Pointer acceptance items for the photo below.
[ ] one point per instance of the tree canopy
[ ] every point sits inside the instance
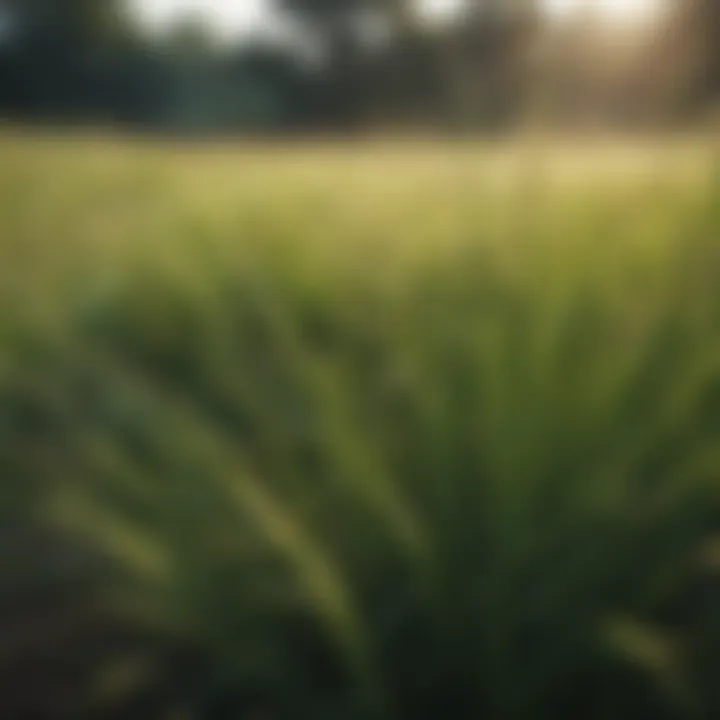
(375, 61)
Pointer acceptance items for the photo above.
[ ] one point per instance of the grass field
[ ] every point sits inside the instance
(378, 430)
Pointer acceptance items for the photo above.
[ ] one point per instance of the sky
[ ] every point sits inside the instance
(237, 17)
(230, 17)
(233, 17)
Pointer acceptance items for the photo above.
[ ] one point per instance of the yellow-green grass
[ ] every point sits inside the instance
(401, 429)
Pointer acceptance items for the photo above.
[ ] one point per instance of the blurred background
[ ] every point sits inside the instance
(289, 65)
(398, 398)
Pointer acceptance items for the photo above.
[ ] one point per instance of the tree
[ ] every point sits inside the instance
(61, 53)
(697, 36)
(346, 33)
(684, 60)
(484, 61)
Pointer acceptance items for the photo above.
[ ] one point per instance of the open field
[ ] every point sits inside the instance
(385, 430)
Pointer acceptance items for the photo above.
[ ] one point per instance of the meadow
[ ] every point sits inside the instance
(375, 430)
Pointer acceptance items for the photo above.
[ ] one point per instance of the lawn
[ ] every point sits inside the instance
(368, 430)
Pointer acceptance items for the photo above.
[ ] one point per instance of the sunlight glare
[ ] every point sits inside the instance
(620, 10)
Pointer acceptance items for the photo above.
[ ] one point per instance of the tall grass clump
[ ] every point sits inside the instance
(306, 447)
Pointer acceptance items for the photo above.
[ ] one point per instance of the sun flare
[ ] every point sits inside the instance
(620, 10)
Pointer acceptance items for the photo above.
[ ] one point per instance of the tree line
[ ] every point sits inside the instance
(345, 64)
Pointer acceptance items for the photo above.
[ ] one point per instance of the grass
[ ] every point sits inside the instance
(392, 431)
